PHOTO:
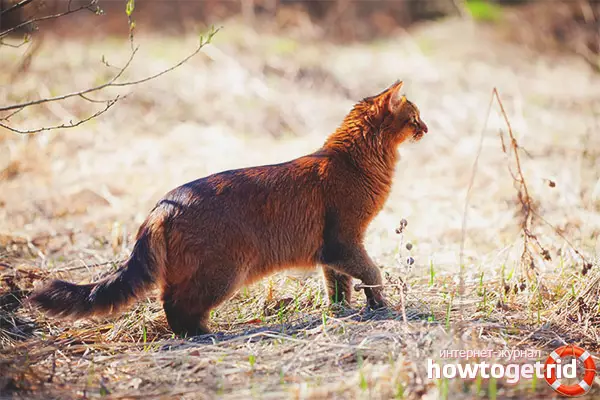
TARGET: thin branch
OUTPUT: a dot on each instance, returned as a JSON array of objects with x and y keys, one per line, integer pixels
[
  {"x": 71, "y": 124},
  {"x": 92, "y": 100},
  {"x": 11, "y": 114},
  {"x": 203, "y": 42},
  {"x": 105, "y": 62},
  {"x": 74, "y": 94},
  {"x": 468, "y": 195},
  {"x": 112, "y": 82},
  {"x": 20, "y": 4},
  {"x": 89, "y": 7}
]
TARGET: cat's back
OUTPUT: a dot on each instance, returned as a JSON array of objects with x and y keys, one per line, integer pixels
[{"x": 269, "y": 192}]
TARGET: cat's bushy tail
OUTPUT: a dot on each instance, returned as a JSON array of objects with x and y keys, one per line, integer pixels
[{"x": 139, "y": 273}]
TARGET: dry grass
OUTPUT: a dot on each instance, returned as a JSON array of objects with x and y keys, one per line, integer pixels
[{"x": 70, "y": 202}]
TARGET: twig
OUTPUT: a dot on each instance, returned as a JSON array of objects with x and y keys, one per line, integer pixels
[
  {"x": 11, "y": 114},
  {"x": 89, "y": 6},
  {"x": 70, "y": 124},
  {"x": 203, "y": 42},
  {"x": 20, "y": 4},
  {"x": 93, "y": 100},
  {"x": 112, "y": 82},
  {"x": 468, "y": 196},
  {"x": 545, "y": 221},
  {"x": 360, "y": 286},
  {"x": 403, "y": 306},
  {"x": 75, "y": 94}
]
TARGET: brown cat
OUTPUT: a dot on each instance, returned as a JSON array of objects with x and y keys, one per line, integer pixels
[{"x": 209, "y": 237}]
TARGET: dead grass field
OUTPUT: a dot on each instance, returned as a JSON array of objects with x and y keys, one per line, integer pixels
[{"x": 71, "y": 200}]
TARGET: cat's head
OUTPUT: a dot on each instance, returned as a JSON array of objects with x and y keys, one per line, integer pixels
[{"x": 393, "y": 117}]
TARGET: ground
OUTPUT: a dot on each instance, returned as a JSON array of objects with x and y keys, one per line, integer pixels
[{"x": 71, "y": 201}]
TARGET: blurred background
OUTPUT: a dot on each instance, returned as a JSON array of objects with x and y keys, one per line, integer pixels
[
  {"x": 278, "y": 77},
  {"x": 275, "y": 80},
  {"x": 572, "y": 24}
]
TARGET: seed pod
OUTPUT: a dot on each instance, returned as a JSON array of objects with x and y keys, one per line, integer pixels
[
  {"x": 523, "y": 286},
  {"x": 409, "y": 246},
  {"x": 546, "y": 255},
  {"x": 410, "y": 260},
  {"x": 551, "y": 183},
  {"x": 400, "y": 228}
]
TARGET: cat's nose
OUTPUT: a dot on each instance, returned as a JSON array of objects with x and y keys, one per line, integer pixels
[{"x": 423, "y": 127}]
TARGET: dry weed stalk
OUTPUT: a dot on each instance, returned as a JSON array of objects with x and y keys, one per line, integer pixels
[
  {"x": 531, "y": 243},
  {"x": 529, "y": 214}
]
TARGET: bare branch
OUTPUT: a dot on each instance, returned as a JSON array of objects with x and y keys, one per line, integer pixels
[
  {"x": 203, "y": 42},
  {"x": 112, "y": 82},
  {"x": 91, "y": 6},
  {"x": 15, "y": 6},
  {"x": 11, "y": 114},
  {"x": 70, "y": 124},
  {"x": 92, "y": 100}
]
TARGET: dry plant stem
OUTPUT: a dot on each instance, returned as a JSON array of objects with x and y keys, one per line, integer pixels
[
  {"x": 403, "y": 306},
  {"x": 359, "y": 286},
  {"x": 86, "y": 266},
  {"x": 468, "y": 197},
  {"x": 523, "y": 195},
  {"x": 110, "y": 83},
  {"x": 563, "y": 237}
]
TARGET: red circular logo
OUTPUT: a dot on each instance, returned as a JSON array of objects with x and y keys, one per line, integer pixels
[{"x": 588, "y": 378}]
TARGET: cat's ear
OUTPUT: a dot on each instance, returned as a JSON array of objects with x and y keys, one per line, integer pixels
[{"x": 395, "y": 101}]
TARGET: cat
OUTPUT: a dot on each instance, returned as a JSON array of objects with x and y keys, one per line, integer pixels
[{"x": 209, "y": 237}]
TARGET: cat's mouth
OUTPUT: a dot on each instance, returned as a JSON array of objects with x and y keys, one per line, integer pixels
[{"x": 420, "y": 131}]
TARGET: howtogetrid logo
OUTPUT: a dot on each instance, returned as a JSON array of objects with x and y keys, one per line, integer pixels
[{"x": 552, "y": 371}]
